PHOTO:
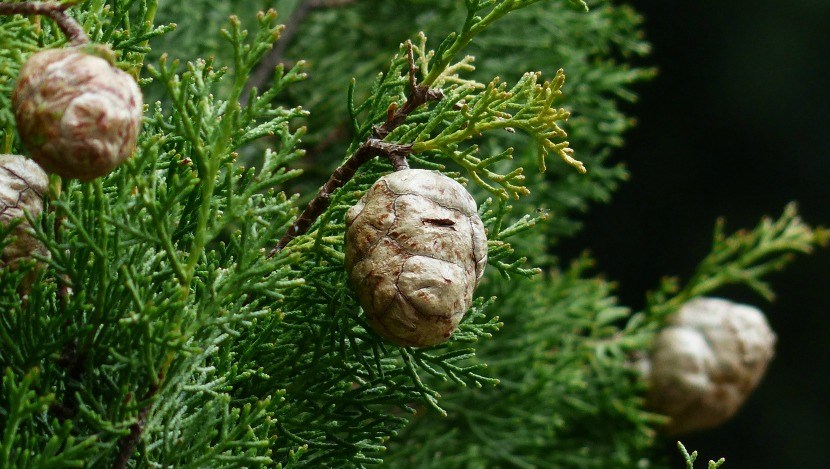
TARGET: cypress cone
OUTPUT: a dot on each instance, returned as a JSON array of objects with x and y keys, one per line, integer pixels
[
  {"x": 705, "y": 363},
  {"x": 415, "y": 252},
  {"x": 77, "y": 114},
  {"x": 23, "y": 185}
]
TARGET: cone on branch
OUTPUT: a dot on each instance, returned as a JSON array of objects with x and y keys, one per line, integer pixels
[
  {"x": 77, "y": 114},
  {"x": 706, "y": 361},
  {"x": 415, "y": 252},
  {"x": 23, "y": 186}
]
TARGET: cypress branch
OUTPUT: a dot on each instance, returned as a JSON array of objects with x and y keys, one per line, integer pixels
[
  {"x": 160, "y": 331},
  {"x": 54, "y": 10},
  {"x": 265, "y": 69},
  {"x": 370, "y": 148}
]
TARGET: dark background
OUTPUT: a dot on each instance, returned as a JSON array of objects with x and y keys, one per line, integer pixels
[{"x": 734, "y": 125}]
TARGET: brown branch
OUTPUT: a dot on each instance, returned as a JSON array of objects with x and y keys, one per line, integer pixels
[
  {"x": 368, "y": 150},
  {"x": 261, "y": 75},
  {"x": 54, "y": 10},
  {"x": 74, "y": 361},
  {"x": 375, "y": 146},
  {"x": 128, "y": 443}
]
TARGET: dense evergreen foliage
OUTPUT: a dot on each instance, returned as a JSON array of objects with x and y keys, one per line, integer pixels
[{"x": 162, "y": 334}]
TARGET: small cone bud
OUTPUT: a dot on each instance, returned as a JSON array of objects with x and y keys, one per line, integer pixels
[
  {"x": 23, "y": 186},
  {"x": 705, "y": 363},
  {"x": 77, "y": 114},
  {"x": 415, "y": 252}
]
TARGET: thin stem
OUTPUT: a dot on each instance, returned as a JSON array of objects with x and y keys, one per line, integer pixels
[
  {"x": 55, "y": 188},
  {"x": 368, "y": 150},
  {"x": 371, "y": 147},
  {"x": 127, "y": 444},
  {"x": 472, "y": 27},
  {"x": 208, "y": 170},
  {"x": 54, "y": 10}
]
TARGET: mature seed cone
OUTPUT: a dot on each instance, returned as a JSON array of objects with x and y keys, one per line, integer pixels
[
  {"x": 23, "y": 186},
  {"x": 707, "y": 360},
  {"x": 415, "y": 251},
  {"x": 77, "y": 114}
]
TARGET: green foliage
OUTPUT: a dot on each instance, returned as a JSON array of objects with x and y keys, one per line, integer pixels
[
  {"x": 689, "y": 459},
  {"x": 593, "y": 48},
  {"x": 742, "y": 258},
  {"x": 156, "y": 268},
  {"x": 566, "y": 397},
  {"x": 161, "y": 320},
  {"x": 569, "y": 394},
  {"x": 530, "y": 104},
  {"x": 22, "y": 406}
]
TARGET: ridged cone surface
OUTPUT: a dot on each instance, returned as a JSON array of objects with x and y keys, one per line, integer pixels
[
  {"x": 77, "y": 115},
  {"x": 706, "y": 361},
  {"x": 415, "y": 252},
  {"x": 23, "y": 186}
]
